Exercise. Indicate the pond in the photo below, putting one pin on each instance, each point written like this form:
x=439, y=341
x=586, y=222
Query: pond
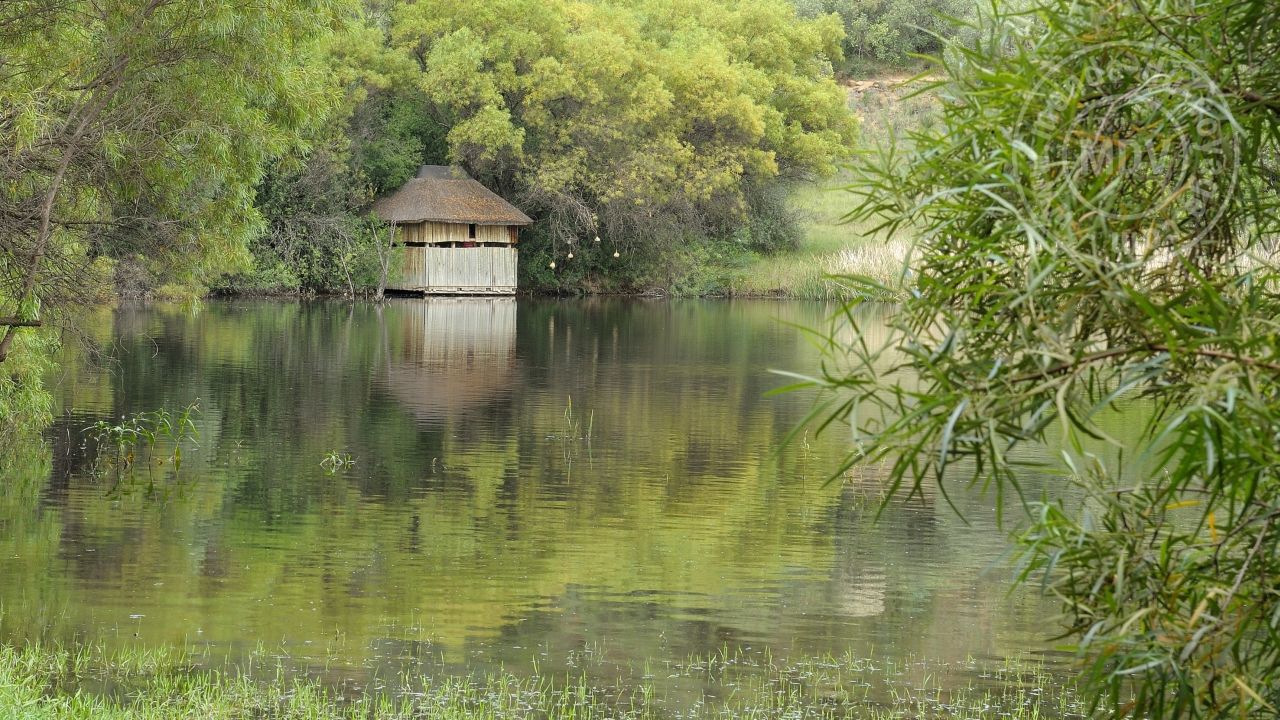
x=577, y=486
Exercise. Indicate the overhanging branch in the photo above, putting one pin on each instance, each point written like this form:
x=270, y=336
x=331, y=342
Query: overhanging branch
x=15, y=322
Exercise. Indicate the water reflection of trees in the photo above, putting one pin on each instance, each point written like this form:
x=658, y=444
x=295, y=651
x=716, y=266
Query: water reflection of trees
x=476, y=517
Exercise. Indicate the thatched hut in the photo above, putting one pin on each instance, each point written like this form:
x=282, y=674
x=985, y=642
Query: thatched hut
x=458, y=237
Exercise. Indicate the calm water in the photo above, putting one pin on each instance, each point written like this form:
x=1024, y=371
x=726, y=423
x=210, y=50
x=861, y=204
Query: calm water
x=552, y=484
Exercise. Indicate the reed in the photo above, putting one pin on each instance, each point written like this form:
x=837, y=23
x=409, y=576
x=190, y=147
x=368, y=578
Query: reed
x=44, y=683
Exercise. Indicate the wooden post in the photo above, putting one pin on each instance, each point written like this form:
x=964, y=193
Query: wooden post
x=384, y=262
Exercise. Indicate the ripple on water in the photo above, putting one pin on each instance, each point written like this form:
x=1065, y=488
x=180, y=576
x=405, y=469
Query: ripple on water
x=532, y=484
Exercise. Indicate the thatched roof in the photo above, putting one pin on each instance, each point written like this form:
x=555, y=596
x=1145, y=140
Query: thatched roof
x=445, y=194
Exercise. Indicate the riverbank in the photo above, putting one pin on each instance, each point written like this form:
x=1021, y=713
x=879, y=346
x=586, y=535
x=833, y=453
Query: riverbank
x=830, y=248
x=825, y=247
x=39, y=683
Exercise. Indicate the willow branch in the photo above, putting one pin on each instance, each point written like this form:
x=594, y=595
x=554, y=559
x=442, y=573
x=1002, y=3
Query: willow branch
x=1150, y=348
x=15, y=322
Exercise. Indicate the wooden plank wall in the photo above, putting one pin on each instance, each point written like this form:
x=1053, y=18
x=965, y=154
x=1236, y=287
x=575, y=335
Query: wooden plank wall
x=476, y=270
x=453, y=232
x=492, y=233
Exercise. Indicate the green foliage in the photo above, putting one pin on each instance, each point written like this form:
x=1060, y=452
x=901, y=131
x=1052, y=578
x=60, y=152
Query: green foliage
x=24, y=403
x=391, y=137
x=315, y=239
x=890, y=31
x=138, y=132
x=318, y=237
x=650, y=125
x=646, y=124
x=1097, y=211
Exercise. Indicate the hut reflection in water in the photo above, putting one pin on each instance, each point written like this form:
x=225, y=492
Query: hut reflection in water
x=457, y=354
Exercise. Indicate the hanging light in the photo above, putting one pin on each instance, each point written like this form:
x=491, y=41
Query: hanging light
x=552, y=265
x=570, y=256
x=615, y=254
x=597, y=238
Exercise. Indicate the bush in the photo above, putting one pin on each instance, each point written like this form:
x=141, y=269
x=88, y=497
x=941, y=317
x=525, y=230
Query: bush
x=890, y=31
x=1097, y=214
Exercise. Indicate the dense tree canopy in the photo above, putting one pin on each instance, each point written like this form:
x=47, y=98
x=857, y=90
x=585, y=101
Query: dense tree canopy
x=1097, y=209
x=642, y=121
x=133, y=136
x=654, y=126
x=888, y=32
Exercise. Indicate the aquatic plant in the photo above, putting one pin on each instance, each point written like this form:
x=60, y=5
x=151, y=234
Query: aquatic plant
x=334, y=461
x=573, y=424
x=121, y=444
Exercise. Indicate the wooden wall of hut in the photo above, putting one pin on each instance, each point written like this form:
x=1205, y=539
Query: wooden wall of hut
x=433, y=233
x=460, y=271
x=436, y=263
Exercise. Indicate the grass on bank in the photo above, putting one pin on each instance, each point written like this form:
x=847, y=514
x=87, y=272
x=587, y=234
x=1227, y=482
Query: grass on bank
x=830, y=247
x=47, y=684
x=886, y=112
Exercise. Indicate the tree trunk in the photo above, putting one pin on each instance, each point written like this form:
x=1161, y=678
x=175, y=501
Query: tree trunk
x=44, y=234
x=346, y=266
x=384, y=263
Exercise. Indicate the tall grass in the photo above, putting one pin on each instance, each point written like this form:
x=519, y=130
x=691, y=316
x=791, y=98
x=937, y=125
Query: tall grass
x=831, y=245
x=49, y=684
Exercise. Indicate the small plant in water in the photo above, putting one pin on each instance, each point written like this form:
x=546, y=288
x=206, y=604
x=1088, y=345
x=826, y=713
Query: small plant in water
x=334, y=460
x=138, y=437
x=574, y=431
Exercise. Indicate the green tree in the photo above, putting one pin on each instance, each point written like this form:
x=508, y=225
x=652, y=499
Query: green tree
x=648, y=123
x=318, y=236
x=1097, y=216
x=135, y=133
x=890, y=31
